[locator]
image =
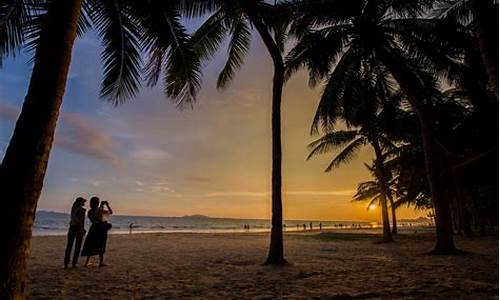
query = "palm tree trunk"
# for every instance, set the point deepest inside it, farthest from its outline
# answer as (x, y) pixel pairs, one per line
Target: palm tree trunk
(276, 253)
(382, 181)
(393, 210)
(23, 168)
(408, 81)
(485, 14)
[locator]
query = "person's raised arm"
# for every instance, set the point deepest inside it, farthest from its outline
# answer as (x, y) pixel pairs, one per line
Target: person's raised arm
(109, 208)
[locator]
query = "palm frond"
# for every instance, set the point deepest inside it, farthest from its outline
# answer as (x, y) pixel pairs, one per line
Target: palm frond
(346, 70)
(331, 141)
(14, 14)
(207, 39)
(121, 56)
(238, 48)
(170, 51)
(347, 154)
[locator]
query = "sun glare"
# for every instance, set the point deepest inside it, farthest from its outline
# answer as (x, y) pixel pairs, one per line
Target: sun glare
(372, 207)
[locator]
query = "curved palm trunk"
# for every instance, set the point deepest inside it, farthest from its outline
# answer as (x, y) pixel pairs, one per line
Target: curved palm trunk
(393, 211)
(382, 181)
(486, 13)
(25, 162)
(276, 253)
(408, 82)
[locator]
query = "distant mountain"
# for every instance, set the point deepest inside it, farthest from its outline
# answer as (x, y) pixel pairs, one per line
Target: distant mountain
(196, 217)
(45, 212)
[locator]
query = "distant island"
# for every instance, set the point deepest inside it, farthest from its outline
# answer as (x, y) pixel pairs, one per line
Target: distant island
(196, 217)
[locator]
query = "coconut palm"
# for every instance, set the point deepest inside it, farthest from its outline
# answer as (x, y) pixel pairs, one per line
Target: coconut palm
(49, 28)
(366, 104)
(370, 191)
(339, 37)
(350, 142)
(234, 19)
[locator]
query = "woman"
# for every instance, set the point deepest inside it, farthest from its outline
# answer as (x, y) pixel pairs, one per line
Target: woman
(76, 231)
(95, 243)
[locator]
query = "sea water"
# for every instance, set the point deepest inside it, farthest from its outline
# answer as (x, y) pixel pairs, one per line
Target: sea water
(55, 223)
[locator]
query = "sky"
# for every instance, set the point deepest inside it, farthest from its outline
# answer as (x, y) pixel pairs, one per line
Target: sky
(147, 157)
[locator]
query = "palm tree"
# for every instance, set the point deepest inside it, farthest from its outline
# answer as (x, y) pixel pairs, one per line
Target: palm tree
(340, 37)
(235, 18)
(367, 102)
(370, 191)
(50, 28)
(352, 141)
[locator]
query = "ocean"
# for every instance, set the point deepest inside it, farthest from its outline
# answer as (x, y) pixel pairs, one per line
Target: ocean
(55, 223)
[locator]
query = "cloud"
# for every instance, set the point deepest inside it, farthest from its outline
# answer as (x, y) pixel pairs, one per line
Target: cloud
(237, 194)
(8, 112)
(76, 135)
(290, 193)
(198, 179)
(322, 193)
(148, 154)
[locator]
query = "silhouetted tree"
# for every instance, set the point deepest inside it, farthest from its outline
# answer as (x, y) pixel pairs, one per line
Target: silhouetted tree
(235, 19)
(50, 28)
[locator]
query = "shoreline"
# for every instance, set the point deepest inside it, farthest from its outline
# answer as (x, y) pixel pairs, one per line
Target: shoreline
(375, 229)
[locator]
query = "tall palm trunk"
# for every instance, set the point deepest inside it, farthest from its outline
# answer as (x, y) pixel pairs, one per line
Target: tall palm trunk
(23, 168)
(382, 181)
(485, 14)
(393, 211)
(409, 83)
(275, 255)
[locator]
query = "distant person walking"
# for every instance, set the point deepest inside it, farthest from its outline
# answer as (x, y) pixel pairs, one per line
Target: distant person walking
(130, 226)
(76, 231)
(304, 226)
(320, 226)
(311, 226)
(95, 243)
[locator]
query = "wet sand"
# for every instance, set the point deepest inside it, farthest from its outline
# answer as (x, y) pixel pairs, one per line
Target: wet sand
(333, 265)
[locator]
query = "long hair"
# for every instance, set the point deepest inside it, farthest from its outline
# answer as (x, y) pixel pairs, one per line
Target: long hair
(78, 202)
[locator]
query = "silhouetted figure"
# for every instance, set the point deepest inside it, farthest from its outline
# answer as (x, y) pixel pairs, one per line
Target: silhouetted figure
(298, 226)
(304, 226)
(76, 231)
(95, 243)
(130, 227)
(320, 226)
(311, 226)
(284, 227)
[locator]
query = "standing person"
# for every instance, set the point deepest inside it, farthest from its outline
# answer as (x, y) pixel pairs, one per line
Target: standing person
(320, 226)
(95, 243)
(76, 231)
(130, 226)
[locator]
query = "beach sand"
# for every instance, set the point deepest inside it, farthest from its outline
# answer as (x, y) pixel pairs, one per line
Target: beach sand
(228, 266)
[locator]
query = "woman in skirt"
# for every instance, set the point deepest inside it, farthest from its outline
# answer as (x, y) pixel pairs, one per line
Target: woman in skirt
(95, 242)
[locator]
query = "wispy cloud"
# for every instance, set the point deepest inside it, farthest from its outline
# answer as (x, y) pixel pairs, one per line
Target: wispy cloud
(290, 193)
(198, 179)
(75, 134)
(150, 154)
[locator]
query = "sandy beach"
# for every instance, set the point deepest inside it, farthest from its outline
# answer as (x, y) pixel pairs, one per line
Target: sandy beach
(329, 265)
